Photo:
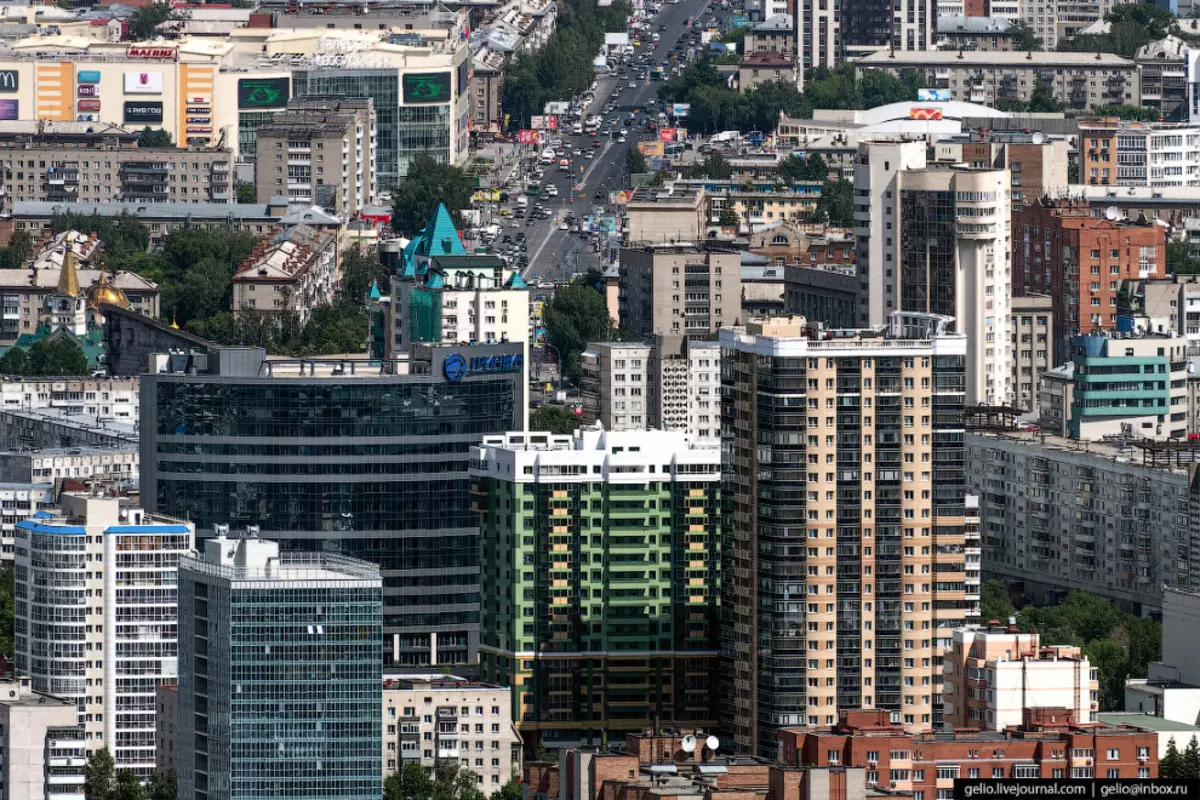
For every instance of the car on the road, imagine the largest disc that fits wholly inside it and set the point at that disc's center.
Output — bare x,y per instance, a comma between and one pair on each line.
632,84
562,226
577,152
590,155
552,191
599,194
621,138
595,144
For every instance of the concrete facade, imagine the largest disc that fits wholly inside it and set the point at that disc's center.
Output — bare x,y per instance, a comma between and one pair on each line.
679,290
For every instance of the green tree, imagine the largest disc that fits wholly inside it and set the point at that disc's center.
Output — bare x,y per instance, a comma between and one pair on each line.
7,613
1190,760
1180,260
359,271
1171,764
637,162
1023,37
150,137
836,204
1042,99
246,193
335,329
994,602
728,218
812,168
761,109
412,782
129,786
14,362
429,182
1113,665
451,782
555,419
124,236
717,168
163,785
99,781
144,23
57,355
1126,111
20,248
509,791
578,314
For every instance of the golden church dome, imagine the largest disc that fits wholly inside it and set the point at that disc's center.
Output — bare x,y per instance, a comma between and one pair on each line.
104,292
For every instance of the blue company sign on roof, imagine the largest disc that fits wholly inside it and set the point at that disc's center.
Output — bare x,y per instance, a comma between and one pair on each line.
456,366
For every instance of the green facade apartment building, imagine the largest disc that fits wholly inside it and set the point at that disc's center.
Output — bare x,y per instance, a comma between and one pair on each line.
601,580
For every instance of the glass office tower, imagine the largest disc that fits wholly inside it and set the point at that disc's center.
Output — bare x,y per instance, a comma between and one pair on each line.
280,674
336,457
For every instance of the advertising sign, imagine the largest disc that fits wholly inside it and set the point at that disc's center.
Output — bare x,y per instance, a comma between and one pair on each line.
666,134
925,113
88,76
143,111
616,39
457,366
9,80
528,137
8,109
681,109
537,122
426,87
263,92
464,76
649,149
933,95
89,90
143,83
89,105
152,53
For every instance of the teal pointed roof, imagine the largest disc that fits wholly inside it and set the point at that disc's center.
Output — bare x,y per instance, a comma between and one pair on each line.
517,282
436,281
438,238
374,294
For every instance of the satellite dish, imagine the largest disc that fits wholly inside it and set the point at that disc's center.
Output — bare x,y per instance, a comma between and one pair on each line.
712,743
1112,213
1038,137
689,744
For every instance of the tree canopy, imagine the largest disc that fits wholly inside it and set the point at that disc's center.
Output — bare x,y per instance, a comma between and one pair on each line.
578,314
53,355
20,248
562,68
103,781
144,23
812,168
1023,37
448,782
1126,111
150,137
429,182
555,419
1131,26
836,204
1118,645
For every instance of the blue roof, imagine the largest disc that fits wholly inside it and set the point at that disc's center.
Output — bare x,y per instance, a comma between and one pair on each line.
37,527
43,515
375,294
147,529
436,281
438,238
516,281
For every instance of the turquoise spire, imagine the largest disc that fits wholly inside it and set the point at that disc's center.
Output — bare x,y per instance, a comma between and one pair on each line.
375,294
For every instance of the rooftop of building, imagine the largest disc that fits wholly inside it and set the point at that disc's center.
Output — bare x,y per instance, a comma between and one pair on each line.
766,58
982,26
69,452
1134,453
904,330
118,515
776,24
251,559
997,59
37,132
1138,719
667,194
286,256
91,423
1131,195
1037,723
20,693
11,486
399,680
641,444
171,212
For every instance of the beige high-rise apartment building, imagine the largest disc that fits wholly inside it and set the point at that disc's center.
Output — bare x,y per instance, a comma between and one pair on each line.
936,240
1032,347
680,290
845,500
320,151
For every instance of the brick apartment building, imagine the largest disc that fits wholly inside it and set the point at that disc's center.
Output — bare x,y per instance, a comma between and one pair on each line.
1061,250
1047,744
650,767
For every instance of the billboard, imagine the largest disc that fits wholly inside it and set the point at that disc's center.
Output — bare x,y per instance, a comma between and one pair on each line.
544,122
528,137
89,90
933,95
666,134
9,80
649,149
9,109
143,111
425,87
89,76
143,83
89,105
616,39
151,52
681,109
263,92
464,77
925,113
